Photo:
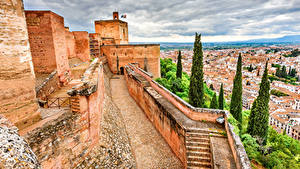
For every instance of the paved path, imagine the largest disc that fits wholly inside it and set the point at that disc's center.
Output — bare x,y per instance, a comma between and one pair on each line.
150,149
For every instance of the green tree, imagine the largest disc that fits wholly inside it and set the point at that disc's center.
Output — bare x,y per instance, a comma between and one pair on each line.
236,99
196,92
214,102
176,86
179,66
221,98
259,116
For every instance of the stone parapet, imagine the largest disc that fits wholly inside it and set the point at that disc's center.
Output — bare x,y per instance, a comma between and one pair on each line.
175,113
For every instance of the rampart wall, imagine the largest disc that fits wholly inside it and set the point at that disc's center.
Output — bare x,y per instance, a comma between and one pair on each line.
70,44
148,94
125,54
65,141
169,128
48,43
17,100
82,45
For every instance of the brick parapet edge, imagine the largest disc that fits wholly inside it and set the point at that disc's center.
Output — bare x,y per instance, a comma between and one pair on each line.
240,156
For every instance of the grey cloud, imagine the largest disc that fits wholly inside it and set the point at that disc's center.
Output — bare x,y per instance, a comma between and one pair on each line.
163,18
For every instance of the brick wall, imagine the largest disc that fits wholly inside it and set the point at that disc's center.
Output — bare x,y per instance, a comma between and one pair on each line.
49,86
82,45
48,43
116,29
140,85
70,44
17,79
162,120
133,54
67,140
59,39
41,40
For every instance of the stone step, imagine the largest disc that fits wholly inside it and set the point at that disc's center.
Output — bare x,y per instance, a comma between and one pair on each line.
75,107
203,130
198,154
198,164
198,159
75,103
191,167
192,143
199,149
190,134
196,139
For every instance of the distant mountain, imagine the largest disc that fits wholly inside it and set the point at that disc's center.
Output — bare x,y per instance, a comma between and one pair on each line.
284,39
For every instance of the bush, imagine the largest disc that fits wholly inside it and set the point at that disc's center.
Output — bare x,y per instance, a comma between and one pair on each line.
278,93
180,87
281,151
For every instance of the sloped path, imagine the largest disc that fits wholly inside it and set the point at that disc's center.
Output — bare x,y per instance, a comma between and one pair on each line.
150,149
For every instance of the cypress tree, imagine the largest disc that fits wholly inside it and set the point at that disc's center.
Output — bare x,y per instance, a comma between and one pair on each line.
179,66
259,116
221,98
214,102
236,99
196,92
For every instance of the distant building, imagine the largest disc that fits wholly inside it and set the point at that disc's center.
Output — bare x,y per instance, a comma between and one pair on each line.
284,121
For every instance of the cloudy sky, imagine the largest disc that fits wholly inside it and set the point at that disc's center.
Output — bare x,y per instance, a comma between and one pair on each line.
178,20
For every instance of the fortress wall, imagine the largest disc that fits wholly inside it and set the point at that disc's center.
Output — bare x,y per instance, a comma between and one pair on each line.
70,44
58,32
139,84
17,79
48,43
41,40
133,54
66,141
172,132
116,29
82,45
95,42
193,113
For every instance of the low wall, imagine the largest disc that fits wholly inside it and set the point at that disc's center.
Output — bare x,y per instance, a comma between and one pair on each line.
240,156
50,85
140,84
193,113
65,141
172,132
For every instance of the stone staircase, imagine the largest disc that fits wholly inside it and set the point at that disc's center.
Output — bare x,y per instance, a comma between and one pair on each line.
198,152
75,105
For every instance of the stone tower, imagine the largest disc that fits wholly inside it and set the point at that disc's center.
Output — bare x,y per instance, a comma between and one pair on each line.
17,80
116,15
115,31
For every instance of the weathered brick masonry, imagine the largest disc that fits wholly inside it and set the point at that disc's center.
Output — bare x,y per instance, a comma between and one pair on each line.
17,99
67,140
146,55
173,117
48,43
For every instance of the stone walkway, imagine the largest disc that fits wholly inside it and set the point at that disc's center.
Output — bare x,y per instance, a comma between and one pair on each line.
150,149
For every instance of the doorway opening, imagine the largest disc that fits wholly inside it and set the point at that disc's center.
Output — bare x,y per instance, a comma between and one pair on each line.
122,70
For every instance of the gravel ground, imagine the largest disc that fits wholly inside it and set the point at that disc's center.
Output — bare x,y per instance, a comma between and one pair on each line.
150,149
114,150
